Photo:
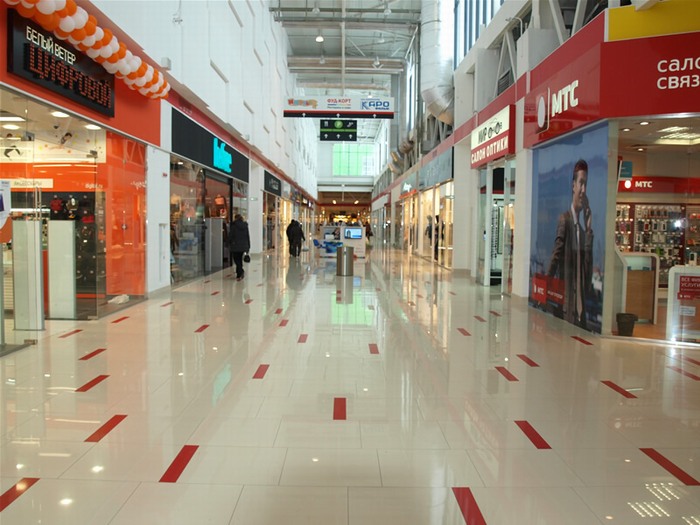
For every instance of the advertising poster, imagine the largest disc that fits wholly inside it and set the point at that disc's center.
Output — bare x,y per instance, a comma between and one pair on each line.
567,243
5,206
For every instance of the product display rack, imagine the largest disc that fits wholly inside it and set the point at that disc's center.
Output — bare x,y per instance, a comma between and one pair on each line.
692,233
653,228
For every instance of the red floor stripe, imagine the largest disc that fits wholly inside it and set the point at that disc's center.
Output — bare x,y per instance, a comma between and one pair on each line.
72,332
278,311
283,322
529,361
15,492
248,301
581,340
302,338
370,307
120,320
259,285
533,435
506,373
201,328
105,429
207,281
494,313
411,303
452,293
92,354
166,304
686,374
338,292
373,348
228,275
339,409
691,360
216,292
671,467
261,371
178,465
463,331
88,386
419,296
619,389
479,318
378,289
467,504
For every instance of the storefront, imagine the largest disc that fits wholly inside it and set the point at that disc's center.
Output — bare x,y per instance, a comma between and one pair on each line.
272,194
208,187
616,145
74,179
436,208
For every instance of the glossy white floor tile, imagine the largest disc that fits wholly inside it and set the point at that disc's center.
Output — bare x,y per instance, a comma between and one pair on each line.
396,396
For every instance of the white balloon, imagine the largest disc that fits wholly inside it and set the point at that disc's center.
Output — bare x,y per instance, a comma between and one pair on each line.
60,4
149,74
114,45
140,81
73,41
99,34
12,2
81,17
124,68
27,5
93,53
136,63
106,52
46,7
67,24
89,41
111,68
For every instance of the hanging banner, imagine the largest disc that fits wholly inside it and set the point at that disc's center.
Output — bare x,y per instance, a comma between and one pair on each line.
340,107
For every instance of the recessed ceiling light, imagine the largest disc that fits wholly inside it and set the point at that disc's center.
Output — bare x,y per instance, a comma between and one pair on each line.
626,129
640,149
333,201
6,116
11,126
60,114
92,127
644,123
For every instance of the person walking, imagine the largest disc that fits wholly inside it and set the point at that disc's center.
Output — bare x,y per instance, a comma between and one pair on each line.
295,235
239,243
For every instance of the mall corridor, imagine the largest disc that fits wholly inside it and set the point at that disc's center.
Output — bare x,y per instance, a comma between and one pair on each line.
402,395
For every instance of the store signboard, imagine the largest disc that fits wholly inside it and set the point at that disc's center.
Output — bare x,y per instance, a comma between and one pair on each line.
193,142
495,138
689,287
39,57
272,184
676,185
340,107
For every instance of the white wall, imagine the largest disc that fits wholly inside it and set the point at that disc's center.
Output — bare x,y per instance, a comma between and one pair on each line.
158,219
255,207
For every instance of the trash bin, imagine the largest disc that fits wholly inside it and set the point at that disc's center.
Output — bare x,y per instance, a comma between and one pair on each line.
625,324
345,256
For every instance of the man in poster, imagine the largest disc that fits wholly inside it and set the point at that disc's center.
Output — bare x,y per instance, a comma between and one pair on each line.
572,255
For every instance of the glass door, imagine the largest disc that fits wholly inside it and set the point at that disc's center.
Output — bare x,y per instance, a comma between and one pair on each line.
508,226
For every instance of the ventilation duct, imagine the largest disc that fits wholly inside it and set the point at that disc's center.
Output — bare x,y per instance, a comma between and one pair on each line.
437,87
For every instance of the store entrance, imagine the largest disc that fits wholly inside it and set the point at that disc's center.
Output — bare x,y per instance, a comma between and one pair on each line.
491,219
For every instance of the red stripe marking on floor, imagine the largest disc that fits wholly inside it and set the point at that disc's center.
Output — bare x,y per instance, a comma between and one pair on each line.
178,465
248,301
283,322
533,435
228,275
581,340
463,331
419,296
378,289
259,285
494,312
339,409
506,373
411,303
120,319
216,292
479,318
202,328
619,389
166,304
261,371
529,361
302,338
686,374
278,311
15,492
89,385
72,332
373,348
671,467
370,307
105,429
452,293
691,360
467,504
207,281
92,354
338,292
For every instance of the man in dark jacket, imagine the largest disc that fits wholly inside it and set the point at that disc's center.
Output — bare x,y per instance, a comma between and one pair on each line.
295,235
239,243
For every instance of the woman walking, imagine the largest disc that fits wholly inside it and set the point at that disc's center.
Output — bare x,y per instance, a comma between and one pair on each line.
239,243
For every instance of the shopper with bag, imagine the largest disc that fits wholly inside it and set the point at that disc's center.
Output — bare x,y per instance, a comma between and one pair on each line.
239,244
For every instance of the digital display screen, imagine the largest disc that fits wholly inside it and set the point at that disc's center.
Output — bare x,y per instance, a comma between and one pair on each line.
353,233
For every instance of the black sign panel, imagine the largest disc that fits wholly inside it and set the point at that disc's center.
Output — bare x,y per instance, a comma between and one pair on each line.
192,141
338,130
272,184
43,59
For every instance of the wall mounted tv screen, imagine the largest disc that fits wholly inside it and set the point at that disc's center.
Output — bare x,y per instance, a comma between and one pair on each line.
352,232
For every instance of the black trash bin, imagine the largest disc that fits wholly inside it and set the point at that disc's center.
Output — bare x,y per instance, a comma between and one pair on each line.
625,324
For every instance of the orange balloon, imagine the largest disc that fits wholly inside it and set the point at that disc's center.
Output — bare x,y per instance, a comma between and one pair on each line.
99,59
44,20
59,32
107,38
32,1
90,28
83,47
71,7
122,50
79,34
26,13
113,58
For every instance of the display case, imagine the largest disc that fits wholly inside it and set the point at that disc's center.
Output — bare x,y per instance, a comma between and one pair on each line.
653,228
692,235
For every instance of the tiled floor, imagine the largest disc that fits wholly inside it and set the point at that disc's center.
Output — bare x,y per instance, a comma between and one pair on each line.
403,395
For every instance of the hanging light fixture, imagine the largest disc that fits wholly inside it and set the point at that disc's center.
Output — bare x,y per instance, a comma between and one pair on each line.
315,10
323,59
319,37
376,62
387,9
